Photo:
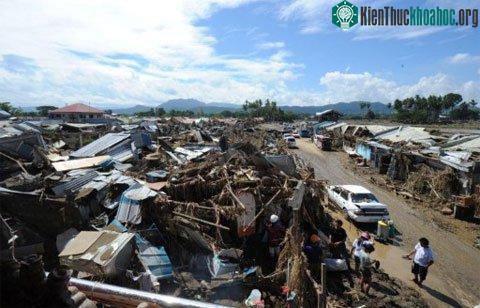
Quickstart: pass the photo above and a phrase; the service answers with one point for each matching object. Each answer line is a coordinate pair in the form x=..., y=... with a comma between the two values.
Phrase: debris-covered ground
x=456, y=285
x=213, y=211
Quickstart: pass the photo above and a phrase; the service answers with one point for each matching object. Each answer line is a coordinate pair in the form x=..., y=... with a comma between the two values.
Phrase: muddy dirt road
x=454, y=279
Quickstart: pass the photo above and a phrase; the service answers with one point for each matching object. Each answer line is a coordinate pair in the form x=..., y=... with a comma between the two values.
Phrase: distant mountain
x=132, y=110
x=226, y=105
x=197, y=106
x=182, y=104
x=29, y=108
x=351, y=108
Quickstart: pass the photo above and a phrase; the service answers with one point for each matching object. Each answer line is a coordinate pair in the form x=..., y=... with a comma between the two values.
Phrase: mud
x=453, y=281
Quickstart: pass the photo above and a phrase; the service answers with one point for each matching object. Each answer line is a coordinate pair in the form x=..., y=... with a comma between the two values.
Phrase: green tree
x=465, y=112
x=43, y=110
x=425, y=110
x=160, y=112
x=7, y=106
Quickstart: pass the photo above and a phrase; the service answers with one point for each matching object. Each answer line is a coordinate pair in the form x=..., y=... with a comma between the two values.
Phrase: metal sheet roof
x=154, y=258
x=80, y=163
x=100, y=145
x=473, y=145
x=74, y=184
x=407, y=134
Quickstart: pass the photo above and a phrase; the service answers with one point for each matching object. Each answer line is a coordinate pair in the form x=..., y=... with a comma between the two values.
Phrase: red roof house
x=76, y=113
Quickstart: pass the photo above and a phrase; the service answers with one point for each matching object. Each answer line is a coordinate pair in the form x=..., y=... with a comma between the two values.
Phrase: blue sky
x=117, y=53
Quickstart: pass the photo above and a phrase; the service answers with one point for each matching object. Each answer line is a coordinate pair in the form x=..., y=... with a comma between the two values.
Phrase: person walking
x=358, y=245
x=365, y=266
x=422, y=260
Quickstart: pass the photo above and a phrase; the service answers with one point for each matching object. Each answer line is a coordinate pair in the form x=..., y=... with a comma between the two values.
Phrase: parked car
x=358, y=203
x=290, y=140
x=295, y=134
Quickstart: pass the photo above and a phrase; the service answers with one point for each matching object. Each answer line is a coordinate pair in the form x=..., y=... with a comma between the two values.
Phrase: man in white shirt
x=422, y=260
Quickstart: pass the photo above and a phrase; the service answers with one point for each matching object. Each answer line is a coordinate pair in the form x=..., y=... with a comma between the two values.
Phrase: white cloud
x=316, y=16
x=271, y=45
x=340, y=86
x=123, y=52
x=395, y=33
x=462, y=58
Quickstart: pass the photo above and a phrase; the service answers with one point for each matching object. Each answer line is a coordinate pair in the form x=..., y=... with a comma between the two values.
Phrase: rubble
x=419, y=164
x=176, y=207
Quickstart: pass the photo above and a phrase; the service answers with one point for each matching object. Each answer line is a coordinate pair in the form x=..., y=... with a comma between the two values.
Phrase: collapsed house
x=169, y=211
x=438, y=166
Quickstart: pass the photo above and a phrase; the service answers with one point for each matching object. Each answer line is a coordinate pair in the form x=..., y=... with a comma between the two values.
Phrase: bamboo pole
x=201, y=220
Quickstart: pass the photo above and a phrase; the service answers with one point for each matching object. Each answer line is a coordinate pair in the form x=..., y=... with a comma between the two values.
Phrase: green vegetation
x=269, y=111
x=181, y=113
x=43, y=110
x=418, y=109
x=369, y=114
x=153, y=112
x=7, y=106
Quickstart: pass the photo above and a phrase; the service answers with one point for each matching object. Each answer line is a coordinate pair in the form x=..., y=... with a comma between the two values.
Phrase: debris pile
x=435, y=186
x=203, y=211
x=441, y=170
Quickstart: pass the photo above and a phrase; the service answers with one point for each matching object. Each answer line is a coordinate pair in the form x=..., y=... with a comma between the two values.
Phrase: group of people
x=362, y=247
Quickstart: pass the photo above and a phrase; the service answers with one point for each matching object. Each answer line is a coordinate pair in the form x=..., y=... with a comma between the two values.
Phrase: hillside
x=351, y=108
x=132, y=110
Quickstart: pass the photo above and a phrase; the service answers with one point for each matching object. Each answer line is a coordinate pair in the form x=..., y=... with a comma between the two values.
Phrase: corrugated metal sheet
x=25, y=127
x=139, y=192
x=122, y=154
x=22, y=145
x=100, y=145
x=473, y=145
x=74, y=184
x=129, y=210
x=141, y=139
x=9, y=131
x=322, y=126
x=338, y=125
x=80, y=163
x=129, y=206
x=4, y=114
x=408, y=134
x=154, y=259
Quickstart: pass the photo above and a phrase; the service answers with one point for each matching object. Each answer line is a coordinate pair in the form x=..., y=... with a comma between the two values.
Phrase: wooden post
x=323, y=282
x=81, y=139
